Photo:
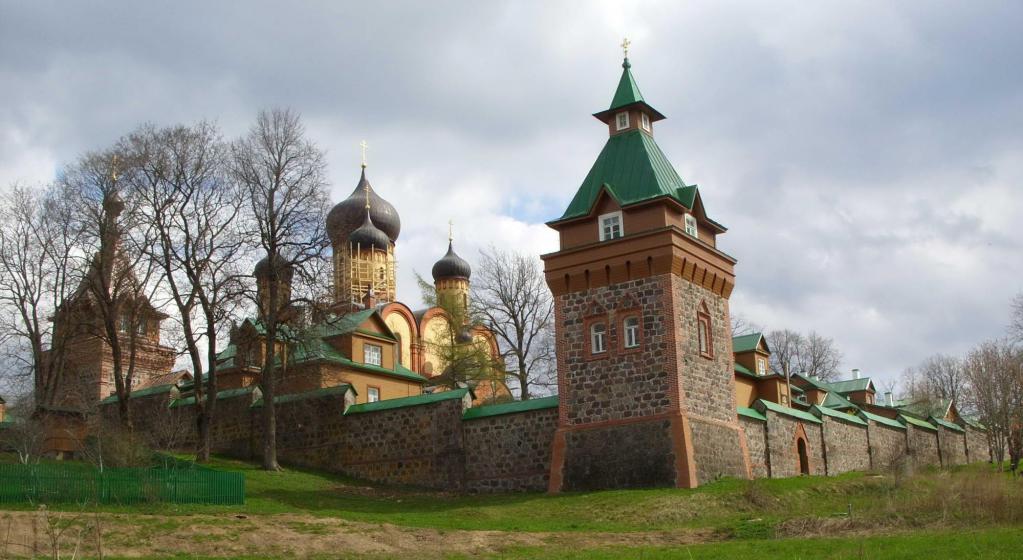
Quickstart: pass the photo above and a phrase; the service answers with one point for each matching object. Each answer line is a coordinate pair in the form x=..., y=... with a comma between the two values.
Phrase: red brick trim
x=801, y=435
x=557, y=461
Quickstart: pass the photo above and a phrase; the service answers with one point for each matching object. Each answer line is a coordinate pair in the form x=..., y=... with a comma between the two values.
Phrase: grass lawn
x=969, y=512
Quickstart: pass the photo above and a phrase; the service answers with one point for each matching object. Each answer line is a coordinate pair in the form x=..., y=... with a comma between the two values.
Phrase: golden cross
x=625, y=46
x=364, y=146
x=451, y=230
x=113, y=168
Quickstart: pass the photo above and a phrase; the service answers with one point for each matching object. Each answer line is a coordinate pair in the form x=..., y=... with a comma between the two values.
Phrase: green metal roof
x=426, y=398
x=154, y=390
x=918, y=422
x=750, y=413
x=741, y=369
x=746, y=342
x=779, y=409
x=221, y=395
x=850, y=385
x=945, y=423
x=510, y=408
x=825, y=411
x=628, y=91
x=881, y=419
x=834, y=400
x=972, y=422
x=633, y=169
x=315, y=393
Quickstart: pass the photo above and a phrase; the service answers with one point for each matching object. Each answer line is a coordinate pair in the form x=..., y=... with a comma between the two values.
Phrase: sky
x=865, y=156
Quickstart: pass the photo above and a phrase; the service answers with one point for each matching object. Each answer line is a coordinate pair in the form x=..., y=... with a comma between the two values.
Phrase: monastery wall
x=952, y=445
x=977, y=447
x=887, y=446
x=846, y=446
x=782, y=446
x=923, y=446
x=756, y=441
x=509, y=452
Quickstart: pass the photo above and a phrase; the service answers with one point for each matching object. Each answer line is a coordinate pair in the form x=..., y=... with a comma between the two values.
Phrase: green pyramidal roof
x=627, y=92
x=633, y=168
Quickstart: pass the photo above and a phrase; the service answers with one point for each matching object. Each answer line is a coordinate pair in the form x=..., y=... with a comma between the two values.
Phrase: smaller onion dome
x=262, y=268
x=451, y=266
x=369, y=236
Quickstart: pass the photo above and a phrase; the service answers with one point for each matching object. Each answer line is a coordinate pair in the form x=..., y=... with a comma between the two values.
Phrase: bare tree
x=743, y=326
x=195, y=239
x=818, y=356
x=112, y=301
x=785, y=347
x=39, y=269
x=995, y=370
x=938, y=378
x=511, y=298
x=282, y=175
x=1016, y=325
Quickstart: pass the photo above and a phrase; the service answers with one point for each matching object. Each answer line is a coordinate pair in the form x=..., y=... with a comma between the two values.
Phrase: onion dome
x=262, y=268
x=346, y=215
x=368, y=235
x=451, y=266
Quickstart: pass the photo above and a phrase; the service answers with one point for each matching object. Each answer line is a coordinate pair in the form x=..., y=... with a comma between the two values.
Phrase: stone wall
x=977, y=447
x=887, y=446
x=756, y=442
x=952, y=445
x=845, y=446
x=783, y=458
x=923, y=446
x=509, y=452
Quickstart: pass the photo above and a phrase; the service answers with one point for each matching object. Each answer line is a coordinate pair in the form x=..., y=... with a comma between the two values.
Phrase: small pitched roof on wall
x=911, y=420
x=510, y=408
x=389, y=404
x=947, y=424
x=750, y=413
x=148, y=391
x=824, y=411
x=761, y=405
x=881, y=420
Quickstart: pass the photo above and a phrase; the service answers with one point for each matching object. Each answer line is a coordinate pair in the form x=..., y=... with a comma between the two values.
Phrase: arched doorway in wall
x=804, y=459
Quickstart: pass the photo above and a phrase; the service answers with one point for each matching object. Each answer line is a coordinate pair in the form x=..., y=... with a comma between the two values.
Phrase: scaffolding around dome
x=360, y=269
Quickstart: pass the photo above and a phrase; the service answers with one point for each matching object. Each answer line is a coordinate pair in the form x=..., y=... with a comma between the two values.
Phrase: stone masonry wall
x=845, y=446
x=510, y=452
x=756, y=442
x=923, y=447
x=631, y=455
x=977, y=448
x=617, y=384
x=887, y=446
x=781, y=445
x=952, y=445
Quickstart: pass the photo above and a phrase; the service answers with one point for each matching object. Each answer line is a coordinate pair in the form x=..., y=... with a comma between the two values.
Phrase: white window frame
x=761, y=366
x=644, y=121
x=607, y=236
x=598, y=338
x=690, y=223
x=622, y=120
x=631, y=332
x=367, y=354
x=372, y=394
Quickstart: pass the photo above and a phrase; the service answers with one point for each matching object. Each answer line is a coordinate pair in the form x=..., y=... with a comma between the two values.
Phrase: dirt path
x=22, y=533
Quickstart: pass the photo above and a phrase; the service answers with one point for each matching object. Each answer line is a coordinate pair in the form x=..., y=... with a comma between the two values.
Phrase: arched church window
x=704, y=332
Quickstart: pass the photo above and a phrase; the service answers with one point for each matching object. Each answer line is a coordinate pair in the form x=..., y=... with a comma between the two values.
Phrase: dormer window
x=644, y=121
x=761, y=366
x=622, y=120
x=598, y=338
x=610, y=226
x=691, y=225
x=371, y=354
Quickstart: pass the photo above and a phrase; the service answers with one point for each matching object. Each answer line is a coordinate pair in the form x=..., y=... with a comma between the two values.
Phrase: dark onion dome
x=262, y=268
x=346, y=215
x=368, y=235
x=451, y=266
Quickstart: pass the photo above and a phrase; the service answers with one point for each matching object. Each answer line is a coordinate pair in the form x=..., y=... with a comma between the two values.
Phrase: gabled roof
x=852, y=385
x=748, y=342
x=835, y=400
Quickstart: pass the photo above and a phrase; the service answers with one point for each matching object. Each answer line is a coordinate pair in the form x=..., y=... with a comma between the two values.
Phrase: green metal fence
x=177, y=482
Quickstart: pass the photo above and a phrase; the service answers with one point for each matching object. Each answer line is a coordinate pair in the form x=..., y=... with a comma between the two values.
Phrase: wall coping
x=750, y=413
x=389, y=404
x=510, y=408
x=838, y=415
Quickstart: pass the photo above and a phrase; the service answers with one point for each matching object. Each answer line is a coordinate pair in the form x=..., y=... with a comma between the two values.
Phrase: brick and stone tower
x=641, y=291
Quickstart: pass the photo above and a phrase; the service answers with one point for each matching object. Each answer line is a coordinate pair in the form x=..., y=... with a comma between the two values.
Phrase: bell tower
x=644, y=355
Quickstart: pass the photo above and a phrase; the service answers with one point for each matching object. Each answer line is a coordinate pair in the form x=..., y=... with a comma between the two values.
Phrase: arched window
x=630, y=328
x=598, y=338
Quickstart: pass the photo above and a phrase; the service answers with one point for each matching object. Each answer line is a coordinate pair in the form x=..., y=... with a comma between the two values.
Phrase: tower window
x=371, y=354
x=622, y=120
x=598, y=338
x=761, y=366
x=631, y=328
x=610, y=226
x=704, y=332
x=644, y=121
x=691, y=225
